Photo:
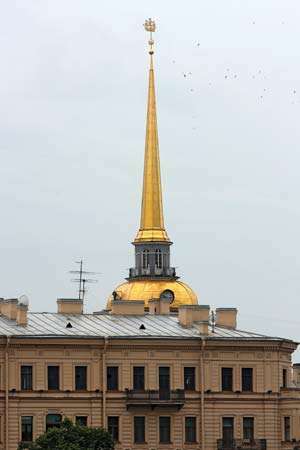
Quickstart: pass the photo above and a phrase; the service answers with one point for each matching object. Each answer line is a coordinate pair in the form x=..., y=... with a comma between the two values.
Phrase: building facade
x=157, y=369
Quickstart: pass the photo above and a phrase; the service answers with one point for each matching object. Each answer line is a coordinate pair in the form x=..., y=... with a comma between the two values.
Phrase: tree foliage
x=72, y=437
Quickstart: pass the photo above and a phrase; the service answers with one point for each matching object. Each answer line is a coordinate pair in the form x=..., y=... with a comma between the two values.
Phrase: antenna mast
x=82, y=279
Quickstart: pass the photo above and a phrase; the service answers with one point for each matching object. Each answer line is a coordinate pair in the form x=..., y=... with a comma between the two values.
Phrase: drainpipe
x=202, y=384
x=104, y=387
x=6, y=392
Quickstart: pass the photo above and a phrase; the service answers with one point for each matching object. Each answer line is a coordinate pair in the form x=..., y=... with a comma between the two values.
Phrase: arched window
x=145, y=259
x=158, y=258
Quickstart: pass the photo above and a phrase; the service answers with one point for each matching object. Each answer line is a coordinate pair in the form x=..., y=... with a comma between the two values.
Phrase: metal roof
x=53, y=325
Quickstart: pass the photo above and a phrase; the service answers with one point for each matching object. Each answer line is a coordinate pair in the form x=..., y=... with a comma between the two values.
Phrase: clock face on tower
x=168, y=294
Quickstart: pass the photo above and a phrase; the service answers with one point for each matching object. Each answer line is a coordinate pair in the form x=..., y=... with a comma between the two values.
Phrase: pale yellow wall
x=267, y=409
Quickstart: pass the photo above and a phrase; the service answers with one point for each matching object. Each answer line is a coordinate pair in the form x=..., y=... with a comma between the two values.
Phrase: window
x=27, y=428
x=139, y=378
x=80, y=378
x=228, y=431
x=145, y=259
x=81, y=421
x=53, y=378
x=190, y=429
x=287, y=428
x=52, y=421
x=227, y=378
x=112, y=378
x=113, y=427
x=248, y=428
x=189, y=378
x=284, y=378
x=164, y=430
x=247, y=379
x=164, y=383
x=158, y=258
x=139, y=430
x=26, y=378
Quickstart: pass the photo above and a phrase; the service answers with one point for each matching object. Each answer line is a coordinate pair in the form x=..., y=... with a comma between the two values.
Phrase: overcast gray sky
x=73, y=85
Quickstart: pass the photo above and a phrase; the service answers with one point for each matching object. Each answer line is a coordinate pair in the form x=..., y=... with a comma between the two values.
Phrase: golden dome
x=147, y=289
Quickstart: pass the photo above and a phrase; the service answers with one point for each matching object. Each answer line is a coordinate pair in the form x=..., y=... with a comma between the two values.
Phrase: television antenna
x=82, y=279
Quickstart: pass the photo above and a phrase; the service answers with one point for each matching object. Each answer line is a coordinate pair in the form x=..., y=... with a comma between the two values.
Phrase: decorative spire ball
x=150, y=26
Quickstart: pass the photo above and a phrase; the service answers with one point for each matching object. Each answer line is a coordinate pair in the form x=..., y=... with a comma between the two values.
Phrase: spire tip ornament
x=150, y=26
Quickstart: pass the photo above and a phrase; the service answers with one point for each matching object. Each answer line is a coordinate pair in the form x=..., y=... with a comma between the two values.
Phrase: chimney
x=189, y=315
x=69, y=306
x=226, y=317
x=159, y=306
x=22, y=314
x=130, y=307
x=9, y=308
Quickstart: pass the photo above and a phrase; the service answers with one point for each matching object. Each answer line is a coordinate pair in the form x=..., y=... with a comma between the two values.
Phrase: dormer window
x=158, y=258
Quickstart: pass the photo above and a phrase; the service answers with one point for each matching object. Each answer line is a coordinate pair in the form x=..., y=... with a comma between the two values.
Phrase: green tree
x=71, y=437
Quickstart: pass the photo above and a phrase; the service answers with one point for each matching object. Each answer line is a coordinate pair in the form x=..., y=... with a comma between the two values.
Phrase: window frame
x=117, y=427
x=85, y=366
x=287, y=428
x=82, y=416
x=243, y=369
x=32, y=429
x=194, y=439
x=253, y=427
x=223, y=377
x=134, y=378
x=59, y=377
x=47, y=427
x=284, y=377
x=135, y=441
x=187, y=388
x=118, y=379
x=170, y=430
x=21, y=378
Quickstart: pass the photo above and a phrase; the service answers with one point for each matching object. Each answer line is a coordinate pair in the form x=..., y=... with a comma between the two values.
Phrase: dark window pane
x=139, y=378
x=247, y=379
x=53, y=378
x=27, y=428
x=112, y=378
x=284, y=378
x=248, y=428
x=189, y=378
x=228, y=431
x=164, y=383
x=190, y=429
x=80, y=378
x=164, y=429
x=227, y=379
x=26, y=378
x=113, y=427
x=287, y=428
x=81, y=421
x=53, y=420
x=139, y=429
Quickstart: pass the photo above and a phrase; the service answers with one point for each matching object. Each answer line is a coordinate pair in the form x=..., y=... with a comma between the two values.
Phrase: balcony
x=242, y=444
x=155, y=399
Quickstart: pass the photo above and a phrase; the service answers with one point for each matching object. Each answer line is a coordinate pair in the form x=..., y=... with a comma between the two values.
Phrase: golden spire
x=152, y=219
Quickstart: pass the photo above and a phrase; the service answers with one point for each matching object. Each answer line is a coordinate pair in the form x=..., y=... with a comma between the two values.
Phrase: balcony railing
x=150, y=398
x=242, y=444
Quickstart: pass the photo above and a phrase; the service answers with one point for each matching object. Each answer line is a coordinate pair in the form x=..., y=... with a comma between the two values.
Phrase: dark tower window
x=284, y=378
x=145, y=259
x=158, y=258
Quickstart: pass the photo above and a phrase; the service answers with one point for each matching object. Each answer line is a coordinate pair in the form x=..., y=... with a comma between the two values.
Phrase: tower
x=152, y=275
